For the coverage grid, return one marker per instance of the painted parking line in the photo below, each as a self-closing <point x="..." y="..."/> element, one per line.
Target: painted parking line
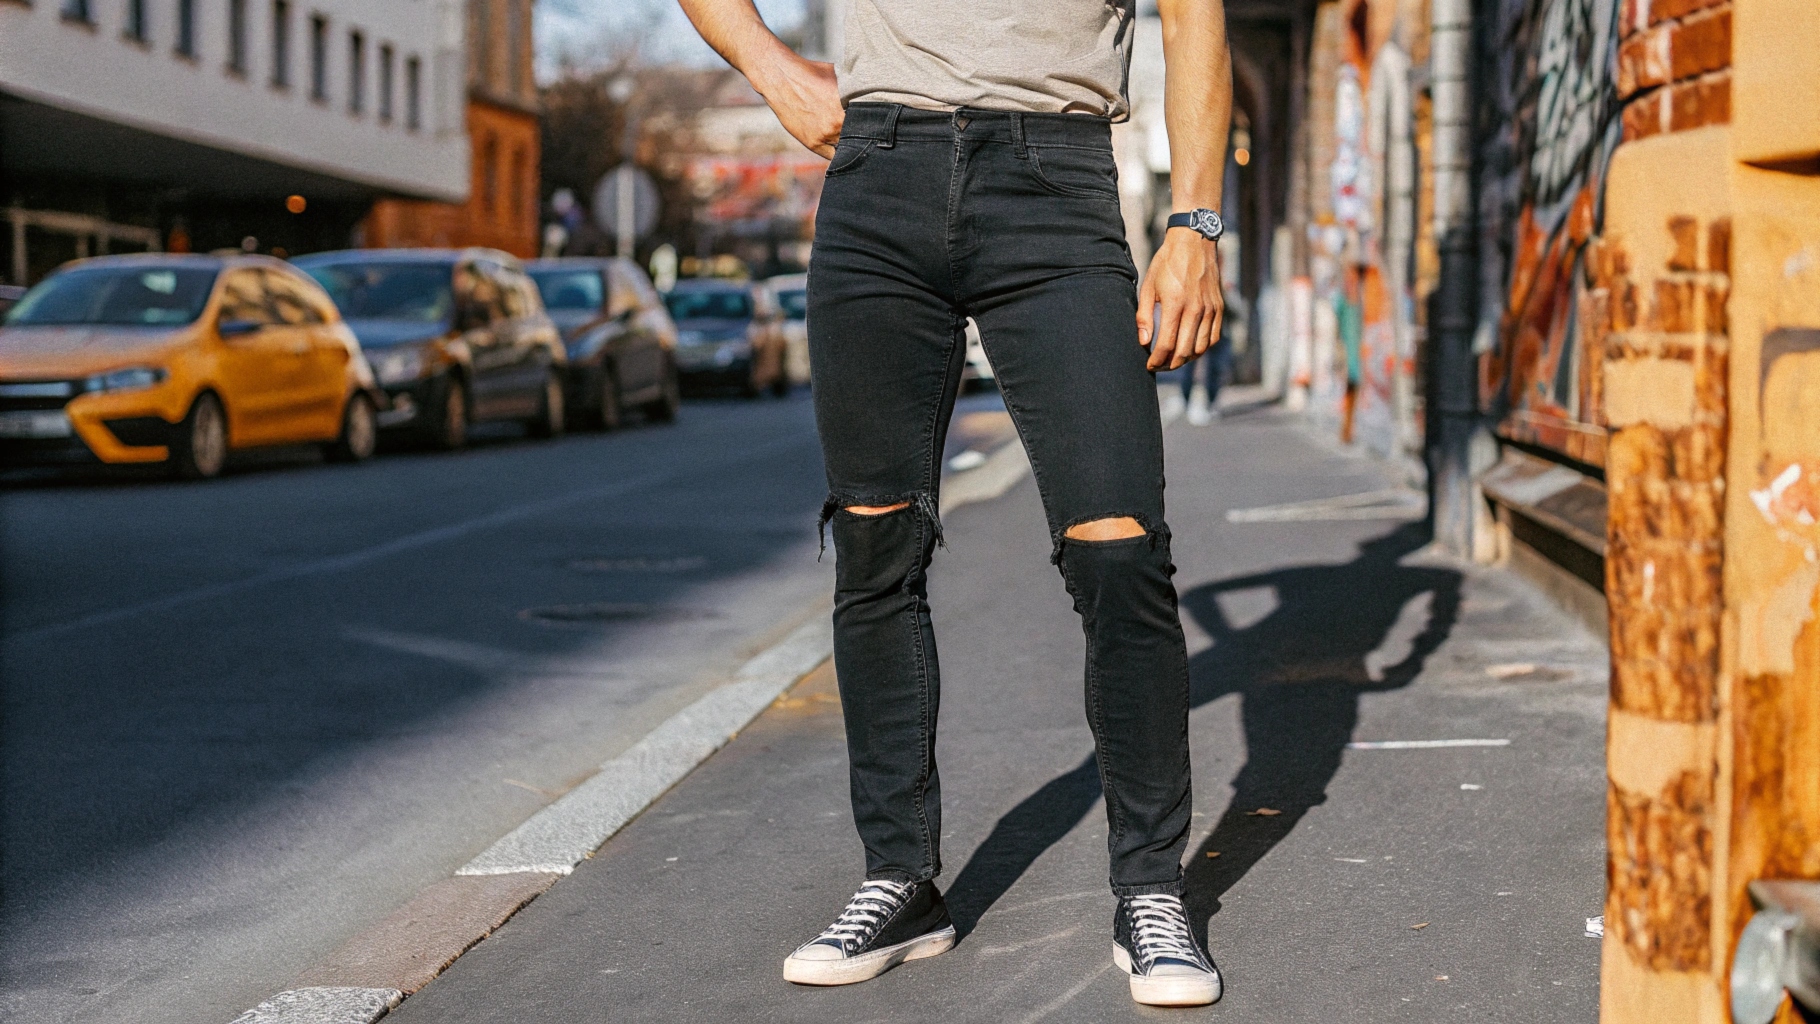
<point x="399" y="545"/>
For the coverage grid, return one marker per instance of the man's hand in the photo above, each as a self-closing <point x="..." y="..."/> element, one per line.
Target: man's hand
<point x="803" y="95"/>
<point x="1184" y="279"/>
<point x="801" y="92"/>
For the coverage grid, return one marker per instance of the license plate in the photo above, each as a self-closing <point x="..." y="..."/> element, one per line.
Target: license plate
<point x="34" y="424"/>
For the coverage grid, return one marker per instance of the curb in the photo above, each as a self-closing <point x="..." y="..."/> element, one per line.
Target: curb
<point x="374" y="971"/>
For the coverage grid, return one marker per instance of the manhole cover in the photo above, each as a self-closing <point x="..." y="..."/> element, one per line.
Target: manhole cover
<point x="639" y="563"/>
<point x="611" y="611"/>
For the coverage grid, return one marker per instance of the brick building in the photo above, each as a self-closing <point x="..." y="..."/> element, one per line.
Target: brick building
<point x="1609" y="212"/>
<point x="501" y="210"/>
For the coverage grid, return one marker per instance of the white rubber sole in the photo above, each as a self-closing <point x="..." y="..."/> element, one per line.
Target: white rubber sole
<point x="867" y="966"/>
<point x="1169" y="990"/>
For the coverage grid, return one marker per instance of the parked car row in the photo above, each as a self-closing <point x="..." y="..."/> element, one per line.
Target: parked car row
<point x="182" y="359"/>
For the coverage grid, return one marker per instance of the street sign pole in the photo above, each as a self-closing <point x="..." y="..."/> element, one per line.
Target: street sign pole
<point x="627" y="217"/>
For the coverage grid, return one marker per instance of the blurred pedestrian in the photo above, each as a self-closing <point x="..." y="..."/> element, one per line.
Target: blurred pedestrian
<point x="971" y="174"/>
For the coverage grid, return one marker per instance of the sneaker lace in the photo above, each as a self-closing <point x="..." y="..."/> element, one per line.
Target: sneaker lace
<point x="866" y="912"/>
<point x="1159" y="928"/>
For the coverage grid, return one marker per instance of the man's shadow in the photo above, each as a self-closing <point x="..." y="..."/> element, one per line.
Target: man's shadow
<point x="1325" y="635"/>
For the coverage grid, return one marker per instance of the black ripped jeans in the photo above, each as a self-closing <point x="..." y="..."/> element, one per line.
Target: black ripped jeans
<point x="927" y="219"/>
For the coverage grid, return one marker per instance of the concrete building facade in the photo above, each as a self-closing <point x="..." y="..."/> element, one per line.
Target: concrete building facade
<point x="500" y="210"/>
<point x="192" y="123"/>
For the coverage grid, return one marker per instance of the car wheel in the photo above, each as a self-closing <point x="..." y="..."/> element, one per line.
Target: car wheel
<point x="448" y="429"/>
<point x="359" y="432"/>
<point x="607" y="415"/>
<point x="202" y="444"/>
<point x="549" y="420"/>
<point x="663" y="409"/>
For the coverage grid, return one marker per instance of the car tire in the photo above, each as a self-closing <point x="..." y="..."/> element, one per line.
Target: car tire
<point x="607" y="415"/>
<point x="663" y="409"/>
<point x="449" y="429"/>
<point x="359" y="432"/>
<point x="781" y="386"/>
<point x="202" y="440"/>
<point x="550" y="418"/>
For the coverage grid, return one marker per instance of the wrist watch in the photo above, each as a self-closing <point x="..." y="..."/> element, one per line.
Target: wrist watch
<point x="1204" y="222"/>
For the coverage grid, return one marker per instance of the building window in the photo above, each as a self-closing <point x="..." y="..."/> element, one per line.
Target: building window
<point x="483" y="43"/>
<point x="186" y="28"/>
<point x="78" y="10"/>
<point x="413" y="94"/>
<point x="136" y="28"/>
<point x="281" y="43"/>
<point x="489" y="173"/>
<point x="514" y="43"/>
<point x="385" y="83"/>
<point x="236" y="61"/>
<point x="357" y="73"/>
<point x="319" y="58"/>
<point x="517" y="212"/>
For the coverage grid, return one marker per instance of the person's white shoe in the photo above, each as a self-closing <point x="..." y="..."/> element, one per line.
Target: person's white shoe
<point x="1171" y="403"/>
<point x="1151" y="942"/>
<point x="1200" y="409"/>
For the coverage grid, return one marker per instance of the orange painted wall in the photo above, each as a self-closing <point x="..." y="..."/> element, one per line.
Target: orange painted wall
<point x="501" y="211"/>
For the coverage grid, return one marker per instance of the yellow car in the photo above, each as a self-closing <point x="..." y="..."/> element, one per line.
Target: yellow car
<point x="160" y="358"/>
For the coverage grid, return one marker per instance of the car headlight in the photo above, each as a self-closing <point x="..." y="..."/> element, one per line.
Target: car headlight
<point x="398" y="366"/>
<point x="728" y="352"/>
<point x="129" y="379"/>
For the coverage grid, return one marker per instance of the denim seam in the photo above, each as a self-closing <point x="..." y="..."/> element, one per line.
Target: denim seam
<point x="1096" y="709"/>
<point x="922" y="700"/>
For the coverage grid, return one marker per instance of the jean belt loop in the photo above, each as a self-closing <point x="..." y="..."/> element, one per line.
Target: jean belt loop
<point x="1017" y="136"/>
<point x="890" y="138"/>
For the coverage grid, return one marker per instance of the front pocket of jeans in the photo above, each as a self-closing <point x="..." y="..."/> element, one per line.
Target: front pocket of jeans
<point x="849" y="154"/>
<point x="1076" y="172"/>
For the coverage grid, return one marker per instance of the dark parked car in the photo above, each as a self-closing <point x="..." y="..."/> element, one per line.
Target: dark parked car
<point x="454" y="337"/>
<point x="621" y="342"/>
<point x="728" y="334"/>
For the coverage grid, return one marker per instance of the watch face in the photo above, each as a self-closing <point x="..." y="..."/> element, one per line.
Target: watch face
<point x="1207" y="223"/>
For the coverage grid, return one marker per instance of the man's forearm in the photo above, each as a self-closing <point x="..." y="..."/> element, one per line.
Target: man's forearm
<point x="736" y="31"/>
<point x="1197" y="100"/>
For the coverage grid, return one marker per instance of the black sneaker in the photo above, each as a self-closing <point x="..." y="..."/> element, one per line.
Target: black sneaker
<point x="885" y="924"/>
<point x="1152" y="943"/>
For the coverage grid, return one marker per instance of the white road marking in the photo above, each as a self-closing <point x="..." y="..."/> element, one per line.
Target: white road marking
<point x="399" y="545"/>
<point x="325" y="1005"/>
<point x="1394" y="503"/>
<point x="568" y="831"/>
<point x="1001" y="471"/>
<point x="1422" y="744"/>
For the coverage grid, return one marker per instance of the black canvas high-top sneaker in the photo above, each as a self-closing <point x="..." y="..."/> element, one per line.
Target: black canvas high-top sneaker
<point x="885" y="924"/>
<point x="1152" y="943"/>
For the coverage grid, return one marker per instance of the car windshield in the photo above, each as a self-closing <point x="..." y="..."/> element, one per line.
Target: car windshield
<point x="569" y="289"/>
<point x="388" y="291"/>
<point x="795" y="303"/>
<point x="726" y="304"/>
<point x="126" y="296"/>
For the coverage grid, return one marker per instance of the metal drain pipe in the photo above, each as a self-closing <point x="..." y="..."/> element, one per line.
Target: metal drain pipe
<point x="1453" y="373"/>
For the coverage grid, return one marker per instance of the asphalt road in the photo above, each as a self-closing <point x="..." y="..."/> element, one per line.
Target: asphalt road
<point x="245" y="719"/>
<point x="1336" y="882"/>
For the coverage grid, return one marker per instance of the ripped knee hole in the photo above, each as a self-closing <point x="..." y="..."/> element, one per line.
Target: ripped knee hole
<point x="875" y="510"/>
<point x="1119" y="528"/>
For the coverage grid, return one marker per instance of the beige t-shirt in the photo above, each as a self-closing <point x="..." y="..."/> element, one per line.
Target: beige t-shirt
<point x="1039" y="56"/>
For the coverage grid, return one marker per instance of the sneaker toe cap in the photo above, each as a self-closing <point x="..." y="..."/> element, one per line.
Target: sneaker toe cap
<point x="818" y="951"/>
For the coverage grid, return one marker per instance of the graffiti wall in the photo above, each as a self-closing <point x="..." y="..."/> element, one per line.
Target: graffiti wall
<point x="1550" y="121"/>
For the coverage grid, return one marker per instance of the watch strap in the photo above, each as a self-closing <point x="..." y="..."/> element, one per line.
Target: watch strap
<point x="1205" y="223"/>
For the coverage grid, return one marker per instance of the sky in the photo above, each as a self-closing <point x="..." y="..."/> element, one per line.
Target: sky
<point x="593" y="31"/>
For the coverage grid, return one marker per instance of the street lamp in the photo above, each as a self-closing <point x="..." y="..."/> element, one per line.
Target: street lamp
<point x="620" y="91"/>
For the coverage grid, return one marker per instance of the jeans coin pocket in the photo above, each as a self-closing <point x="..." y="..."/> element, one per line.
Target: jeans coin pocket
<point x="1076" y="171"/>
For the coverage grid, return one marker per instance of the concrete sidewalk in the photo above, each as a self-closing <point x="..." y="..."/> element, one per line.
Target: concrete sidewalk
<point x="1343" y="874"/>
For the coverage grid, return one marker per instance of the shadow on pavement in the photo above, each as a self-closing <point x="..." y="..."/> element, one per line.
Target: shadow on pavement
<point x="1334" y="632"/>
